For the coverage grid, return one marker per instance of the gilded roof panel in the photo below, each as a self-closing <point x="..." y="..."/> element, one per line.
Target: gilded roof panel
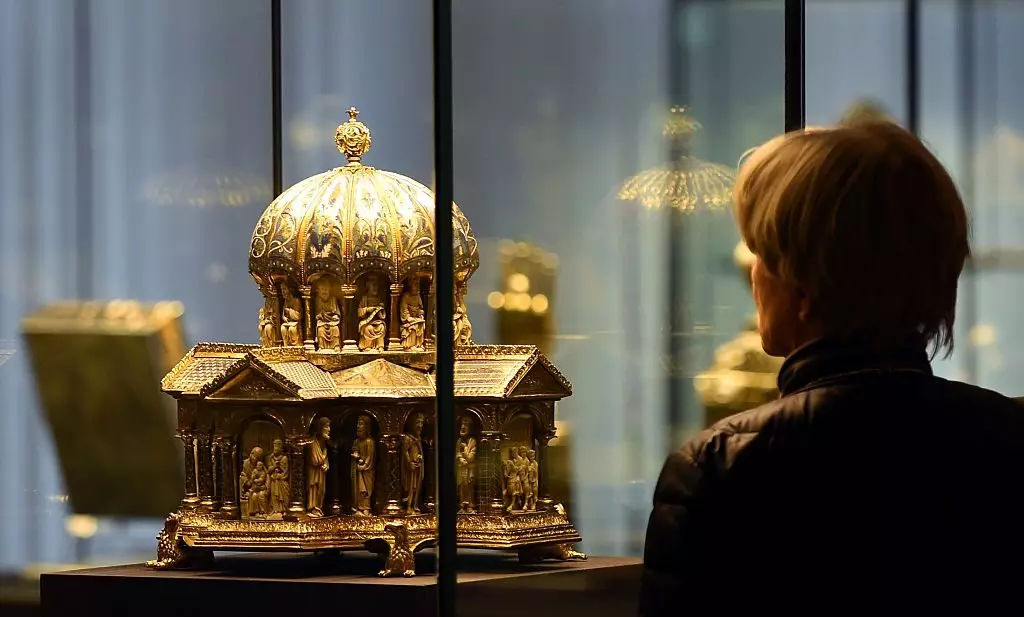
<point x="380" y="378"/>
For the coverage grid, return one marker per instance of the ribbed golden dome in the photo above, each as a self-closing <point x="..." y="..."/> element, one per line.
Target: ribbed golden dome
<point x="345" y="259"/>
<point x="353" y="220"/>
<point x="686" y="183"/>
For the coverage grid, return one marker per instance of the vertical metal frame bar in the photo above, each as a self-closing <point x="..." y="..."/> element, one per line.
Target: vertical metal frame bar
<point x="84" y="180"/>
<point x="967" y="84"/>
<point x="913" y="65"/>
<point x="795" y="115"/>
<point x="275" y="96"/>
<point x="444" y="282"/>
<point x="675" y="285"/>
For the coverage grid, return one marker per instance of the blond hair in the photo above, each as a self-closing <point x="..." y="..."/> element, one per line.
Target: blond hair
<point x="865" y="221"/>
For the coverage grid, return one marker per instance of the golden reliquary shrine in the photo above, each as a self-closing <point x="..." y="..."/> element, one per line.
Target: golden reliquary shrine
<point x="320" y="438"/>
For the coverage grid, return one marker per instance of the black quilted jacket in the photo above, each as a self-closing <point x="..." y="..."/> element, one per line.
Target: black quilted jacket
<point x="870" y="487"/>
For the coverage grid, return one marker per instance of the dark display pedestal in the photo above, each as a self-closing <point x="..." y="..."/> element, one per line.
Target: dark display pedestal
<point x="490" y="585"/>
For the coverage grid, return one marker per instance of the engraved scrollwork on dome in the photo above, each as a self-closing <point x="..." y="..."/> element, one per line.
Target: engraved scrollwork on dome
<point x="416" y="228"/>
<point x="465" y="242"/>
<point x="283" y="235"/>
<point x="326" y="237"/>
<point x="258" y="245"/>
<point x="371" y="230"/>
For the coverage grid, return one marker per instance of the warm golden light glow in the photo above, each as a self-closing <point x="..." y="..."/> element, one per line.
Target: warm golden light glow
<point x="518" y="282"/>
<point x="539" y="304"/>
<point x="495" y="300"/>
<point x="521" y="302"/>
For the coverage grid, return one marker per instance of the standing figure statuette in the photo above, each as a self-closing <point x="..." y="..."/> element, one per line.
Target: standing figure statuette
<point x="316" y="469"/>
<point x="277" y="467"/>
<point x="363" y="473"/>
<point x="531" y="480"/>
<point x="514" y="489"/>
<point x="465" y="461"/>
<point x="412" y="465"/>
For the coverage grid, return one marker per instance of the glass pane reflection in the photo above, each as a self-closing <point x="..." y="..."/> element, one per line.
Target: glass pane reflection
<point x="135" y="158"/>
<point x="546" y="134"/>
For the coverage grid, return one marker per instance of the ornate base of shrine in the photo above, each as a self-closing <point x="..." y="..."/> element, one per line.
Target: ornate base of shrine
<point x="189" y="538"/>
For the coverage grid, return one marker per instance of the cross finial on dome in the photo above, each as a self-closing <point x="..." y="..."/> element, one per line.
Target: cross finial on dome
<point x="353" y="138"/>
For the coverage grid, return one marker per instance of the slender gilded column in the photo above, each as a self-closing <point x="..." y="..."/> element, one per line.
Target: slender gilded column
<point x="348" y="318"/>
<point x="545" y="502"/>
<point x="228" y="477"/>
<point x="333" y="478"/>
<point x="306" y="291"/>
<point x="430" y="333"/>
<point x="488" y="473"/>
<point x="206" y="471"/>
<point x="394" y="328"/>
<point x="191" y="499"/>
<point x="391" y="461"/>
<point x="297" y="476"/>
<point x="429" y="473"/>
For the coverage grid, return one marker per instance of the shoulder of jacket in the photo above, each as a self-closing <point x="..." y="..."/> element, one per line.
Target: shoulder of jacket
<point x="730" y="433"/>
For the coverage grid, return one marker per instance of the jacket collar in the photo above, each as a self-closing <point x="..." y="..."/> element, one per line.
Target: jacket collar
<point x="827" y="358"/>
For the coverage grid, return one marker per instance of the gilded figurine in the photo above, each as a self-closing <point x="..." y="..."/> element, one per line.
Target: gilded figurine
<point x="277" y="466"/>
<point x="460" y="318"/>
<point x="258" y="502"/>
<point x="245" y="478"/>
<point x="531" y="480"/>
<point x="316" y="469"/>
<point x="363" y="473"/>
<point x="267" y="338"/>
<point x="328" y="317"/>
<point x="372" y="318"/>
<point x="513" y="492"/>
<point x="465" y="460"/>
<point x="291" y="315"/>
<point x="401" y="560"/>
<point x="412" y="465"/>
<point x="413" y="320"/>
<point x="515" y="473"/>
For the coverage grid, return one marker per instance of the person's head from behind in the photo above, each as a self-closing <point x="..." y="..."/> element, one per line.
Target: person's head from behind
<point x="858" y="232"/>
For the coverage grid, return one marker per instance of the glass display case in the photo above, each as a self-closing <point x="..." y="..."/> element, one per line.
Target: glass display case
<point x="592" y="148"/>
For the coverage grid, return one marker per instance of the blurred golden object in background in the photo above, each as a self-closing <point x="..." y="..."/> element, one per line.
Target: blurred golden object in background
<point x="524" y="297"/>
<point x="685" y="183"/>
<point x="203" y="189"/>
<point x="742" y="375"/>
<point x="865" y="110"/>
<point x="97" y="368"/>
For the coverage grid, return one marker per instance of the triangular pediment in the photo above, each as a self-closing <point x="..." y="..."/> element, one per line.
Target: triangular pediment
<point x="251" y="384"/>
<point x="543" y="381"/>
<point x="380" y="378"/>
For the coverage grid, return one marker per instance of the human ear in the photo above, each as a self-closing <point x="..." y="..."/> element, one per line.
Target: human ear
<point x="804" y="308"/>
